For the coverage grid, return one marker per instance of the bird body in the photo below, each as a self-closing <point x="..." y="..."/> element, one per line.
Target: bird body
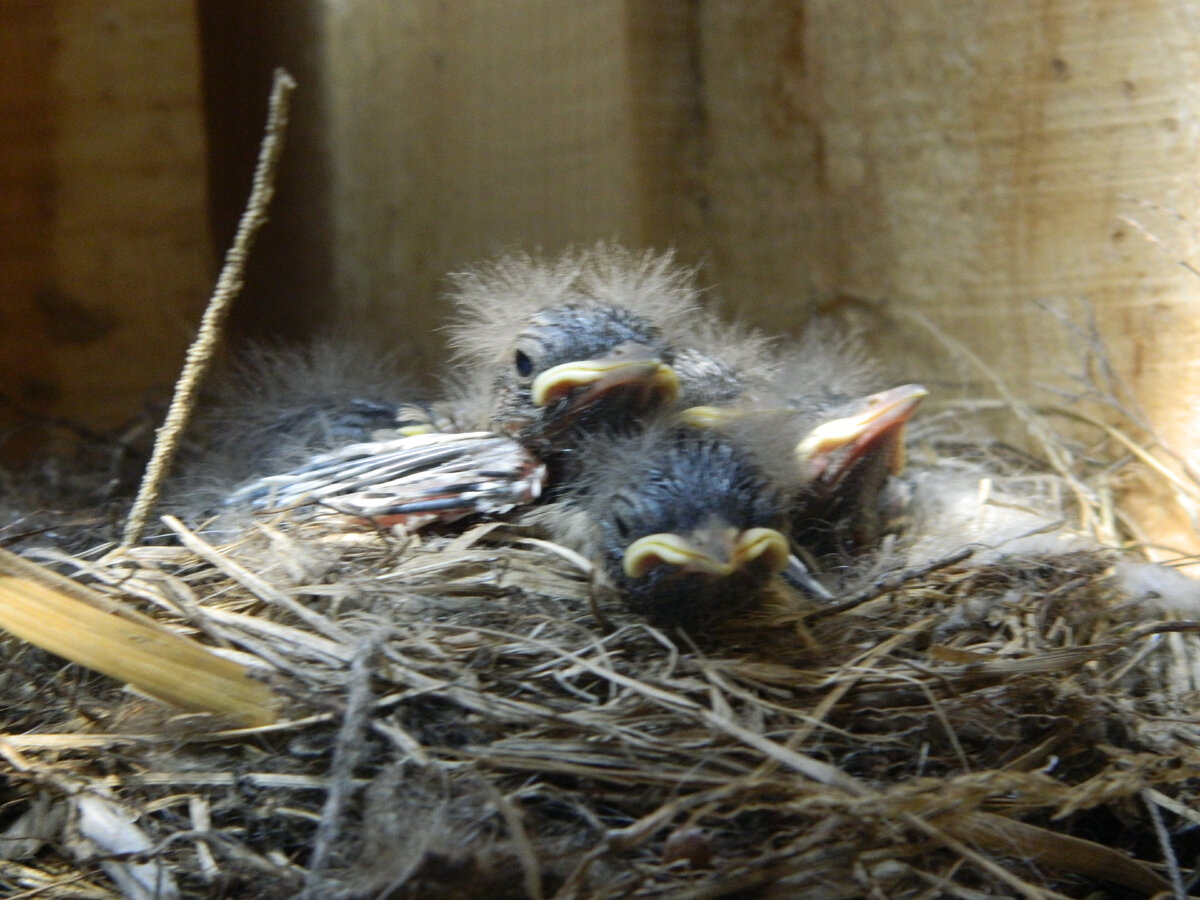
<point x="547" y="353"/>
<point x="276" y="407"/>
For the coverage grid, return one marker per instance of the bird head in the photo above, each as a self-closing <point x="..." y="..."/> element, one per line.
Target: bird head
<point x="578" y="368"/>
<point x="564" y="347"/>
<point x="689" y="528"/>
<point x="867" y="431"/>
<point x="846" y="463"/>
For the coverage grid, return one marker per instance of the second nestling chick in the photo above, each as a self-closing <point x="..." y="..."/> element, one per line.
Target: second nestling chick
<point x="682" y="522"/>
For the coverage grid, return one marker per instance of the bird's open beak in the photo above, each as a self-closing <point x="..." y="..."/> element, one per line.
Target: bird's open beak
<point x="709" y="550"/>
<point x="832" y="448"/>
<point x="631" y="369"/>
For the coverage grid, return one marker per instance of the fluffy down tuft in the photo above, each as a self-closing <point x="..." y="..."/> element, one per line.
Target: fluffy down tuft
<point x="496" y="300"/>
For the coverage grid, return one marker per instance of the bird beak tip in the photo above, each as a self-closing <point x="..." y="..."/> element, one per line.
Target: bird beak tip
<point x="707" y="553"/>
<point x="880" y="415"/>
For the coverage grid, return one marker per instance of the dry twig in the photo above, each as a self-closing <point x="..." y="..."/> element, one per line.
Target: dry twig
<point x="229" y="284"/>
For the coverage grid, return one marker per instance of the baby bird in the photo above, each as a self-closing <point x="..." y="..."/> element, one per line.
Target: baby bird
<point x="548" y="353"/>
<point x="560" y="349"/>
<point x="684" y="523"/>
<point x="818" y="406"/>
<point x="319" y="427"/>
<point x="848" y="463"/>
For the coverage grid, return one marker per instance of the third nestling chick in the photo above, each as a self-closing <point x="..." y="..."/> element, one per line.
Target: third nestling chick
<point x="848" y="463"/>
<point x="684" y="523"/>
<point x="820" y="406"/>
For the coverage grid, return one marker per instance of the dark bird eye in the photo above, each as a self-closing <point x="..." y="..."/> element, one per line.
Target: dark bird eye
<point x="524" y="364"/>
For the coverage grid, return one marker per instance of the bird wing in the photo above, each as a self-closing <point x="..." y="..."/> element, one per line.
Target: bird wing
<point x="412" y="480"/>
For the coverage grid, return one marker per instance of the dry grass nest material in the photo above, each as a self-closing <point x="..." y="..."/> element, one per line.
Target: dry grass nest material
<point x="452" y="720"/>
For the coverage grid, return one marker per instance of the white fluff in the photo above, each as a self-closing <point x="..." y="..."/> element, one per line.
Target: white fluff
<point x="1159" y="588"/>
<point x="495" y="300"/>
<point x="965" y="505"/>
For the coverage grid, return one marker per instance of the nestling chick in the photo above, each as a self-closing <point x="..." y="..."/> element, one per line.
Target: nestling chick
<point x="565" y="348"/>
<point x="322" y="428"/>
<point x="818" y="408"/>
<point x="549" y="353"/>
<point x="847" y="464"/>
<point x="683" y="522"/>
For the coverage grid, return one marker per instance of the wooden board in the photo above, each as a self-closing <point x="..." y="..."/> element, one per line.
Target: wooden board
<point x="972" y="162"/>
<point x="104" y="241"/>
<point x="460" y="130"/>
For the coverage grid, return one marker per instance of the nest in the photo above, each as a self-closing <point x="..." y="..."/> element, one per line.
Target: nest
<point x="447" y="715"/>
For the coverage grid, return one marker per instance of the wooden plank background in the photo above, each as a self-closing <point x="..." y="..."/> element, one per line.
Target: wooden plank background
<point x="459" y="130"/>
<point x="103" y="239"/>
<point x="969" y="161"/>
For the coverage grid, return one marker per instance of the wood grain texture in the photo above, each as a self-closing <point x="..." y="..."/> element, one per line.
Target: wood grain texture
<point x="463" y="129"/>
<point x="287" y="293"/>
<point x="130" y="245"/>
<point x="26" y="177"/>
<point x="104" y="196"/>
<point x="972" y="161"/>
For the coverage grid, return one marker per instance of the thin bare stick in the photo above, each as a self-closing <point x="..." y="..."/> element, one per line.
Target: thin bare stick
<point x="229" y="284"/>
<point x="346" y="755"/>
<point x="889" y="581"/>
<point x="1178" y="891"/>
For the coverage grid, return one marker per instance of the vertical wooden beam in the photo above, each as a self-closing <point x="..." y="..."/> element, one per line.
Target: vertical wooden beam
<point x="669" y="125"/>
<point x="27" y="379"/>
<point x="288" y="292"/>
<point x="463" y="129"/>
<point x="131" y="257"/>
